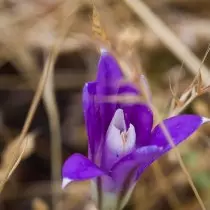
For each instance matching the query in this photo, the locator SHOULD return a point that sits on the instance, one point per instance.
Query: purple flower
(122, 141)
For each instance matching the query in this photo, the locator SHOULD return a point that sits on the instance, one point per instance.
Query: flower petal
(180, 127)
(128, 169)
(92, 118)
(109, 72)
(78, 168)
(108, 82)
(141, 117)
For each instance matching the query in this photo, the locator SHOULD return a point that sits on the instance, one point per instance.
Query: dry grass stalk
(22, 140)
(30, 70)
(50, 103)
(193, 91)
(16, 146)
(183, 53)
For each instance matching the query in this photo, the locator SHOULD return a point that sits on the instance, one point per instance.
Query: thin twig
(178, 110)
(55, 133)
(53, 115)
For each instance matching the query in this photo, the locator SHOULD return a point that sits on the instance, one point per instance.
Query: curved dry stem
(53, 115)
(16, 158)
(29, 69)
(178, 155)
(184, 54)
(48, 68)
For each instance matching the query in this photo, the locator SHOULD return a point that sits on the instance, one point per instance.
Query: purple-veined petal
(79, 168)
(92, 118)
(119, 141)
(128, 169)
(179, 127)
(141, 117)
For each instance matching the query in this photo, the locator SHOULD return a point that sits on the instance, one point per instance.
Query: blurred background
(29, 30)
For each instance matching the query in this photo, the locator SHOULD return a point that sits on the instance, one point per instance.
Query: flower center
(119, 140)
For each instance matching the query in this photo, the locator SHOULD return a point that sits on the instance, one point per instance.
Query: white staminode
(119, 140)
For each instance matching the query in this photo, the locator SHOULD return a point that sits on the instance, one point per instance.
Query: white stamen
(65, 182)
